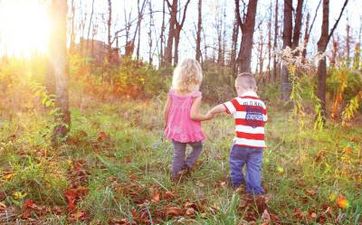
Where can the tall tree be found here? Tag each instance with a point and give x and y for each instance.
(72, 28)
(275, 44)
(150, 42)
(175, 28)
(322, 46)
(247, 27)
(234, 41)
(291, 38)
(198, 33)
(59, 62)
(109, 26)
(162, 37)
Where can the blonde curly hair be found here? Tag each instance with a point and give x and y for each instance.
(187, 76)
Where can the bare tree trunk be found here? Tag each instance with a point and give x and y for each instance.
(218, 26)
(59, 62)
(198, 33)
(348, 45)
(287, 42)
(171, 32)
(357, 56)
(297, 24)
(247, 28)
(275, 45)
(234, 43)
(90, 23)
(109, 26)
(150, 43)
(306, 38)
(72, 29)
(322, 46)
(335, 47)
(269, 42)
(177, 30)
(261, 54)
(162, 33)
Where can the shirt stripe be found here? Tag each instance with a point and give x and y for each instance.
(250, 114)
(246, 129)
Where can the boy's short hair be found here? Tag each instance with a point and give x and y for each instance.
(246, 81)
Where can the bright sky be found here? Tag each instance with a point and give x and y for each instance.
(24, 28)
(211, 9)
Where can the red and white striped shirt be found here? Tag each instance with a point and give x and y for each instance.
(250, 115)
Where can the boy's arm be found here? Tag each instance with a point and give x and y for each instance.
(195, 111)
(217, 109)
(166, 109)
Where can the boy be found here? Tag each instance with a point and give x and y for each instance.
(250, 116)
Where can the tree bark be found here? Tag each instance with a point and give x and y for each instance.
(72, 29)
(171, 32)
(322, 46)
(59, 63)
(247, 28)
(198, 33)
(275, 45)
(150, 42)
(174, 33)
(178, 28)
(234, 43)
(109, 37)
(161, 59)
(90, 23)
(287, 42)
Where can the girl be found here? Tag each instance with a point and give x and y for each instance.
(182, 116)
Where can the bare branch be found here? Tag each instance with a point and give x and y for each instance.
(184, 15)
(238, 16)
(337, 21)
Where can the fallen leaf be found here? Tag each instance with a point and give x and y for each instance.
(342, 202)
(168, 195)
(102, 136)
(190, 212)
(174, 211)
(311, 192)
(156, 196)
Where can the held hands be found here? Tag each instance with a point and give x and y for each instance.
(209, 115)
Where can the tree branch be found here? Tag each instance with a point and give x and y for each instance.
(238, 16)
(184, 15)
(336, 23)
(168, 4)
(315, 16)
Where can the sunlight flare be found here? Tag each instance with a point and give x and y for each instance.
(24, 27)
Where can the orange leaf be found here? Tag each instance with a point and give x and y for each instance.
(156, 197)
(342, 202)
(102, 136)
(174, 211)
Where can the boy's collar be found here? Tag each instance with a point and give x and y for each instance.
(249, 93)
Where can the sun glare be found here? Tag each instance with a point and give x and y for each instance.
(24, 27)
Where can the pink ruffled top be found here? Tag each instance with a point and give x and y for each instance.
(180, 127)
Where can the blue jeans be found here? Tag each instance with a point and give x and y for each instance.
(252, 157)
(179, 162)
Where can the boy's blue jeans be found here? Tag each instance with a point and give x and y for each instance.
(252, 157)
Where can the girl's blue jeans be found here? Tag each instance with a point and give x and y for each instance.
(252, 158)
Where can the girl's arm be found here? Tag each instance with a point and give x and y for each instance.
(217, 109)
(195, 111)
(165, 110)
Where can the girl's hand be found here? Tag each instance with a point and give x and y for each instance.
(209, 115)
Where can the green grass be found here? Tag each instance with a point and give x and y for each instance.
(302, 167)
